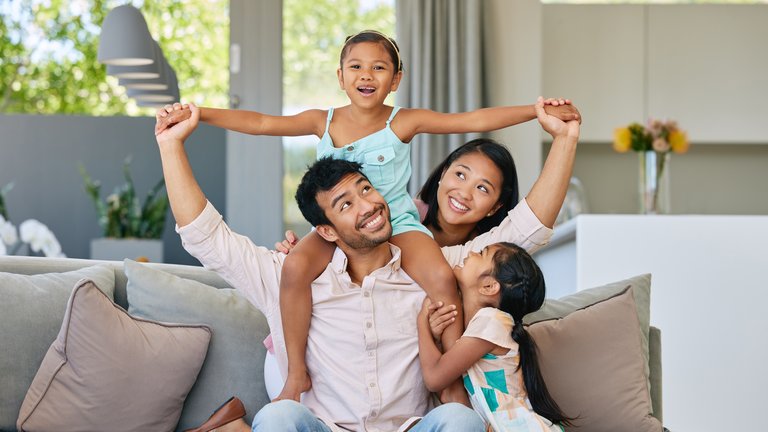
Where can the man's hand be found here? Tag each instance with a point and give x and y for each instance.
(172, 115)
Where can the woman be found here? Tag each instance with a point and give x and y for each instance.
(475, 187)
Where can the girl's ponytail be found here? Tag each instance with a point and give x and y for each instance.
(522, 292)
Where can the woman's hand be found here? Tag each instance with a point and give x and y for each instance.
(289, 243)
(554, 125)
(437, 316)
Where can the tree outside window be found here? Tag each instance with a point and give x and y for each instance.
(48, 54)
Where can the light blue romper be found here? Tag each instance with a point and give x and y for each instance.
(387, 163)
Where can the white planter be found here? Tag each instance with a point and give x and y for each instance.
(115, 249)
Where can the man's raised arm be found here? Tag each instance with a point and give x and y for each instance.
(184, 193)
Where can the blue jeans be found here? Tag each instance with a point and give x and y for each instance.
(291, 416)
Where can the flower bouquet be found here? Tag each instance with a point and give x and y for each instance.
(654, 142)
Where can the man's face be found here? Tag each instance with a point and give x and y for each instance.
(359, 215)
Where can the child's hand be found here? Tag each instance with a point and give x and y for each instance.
(554, 125)
(286, 245)
(168, 116)
(438, 316)
(562, 109)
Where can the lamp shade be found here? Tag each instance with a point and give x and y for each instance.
(171, 94)
(125, 38)
(159, 83)
(146, 71)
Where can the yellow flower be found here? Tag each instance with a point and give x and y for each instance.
(678, 141)
(622, 140)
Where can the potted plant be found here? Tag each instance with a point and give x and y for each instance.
(130, 229)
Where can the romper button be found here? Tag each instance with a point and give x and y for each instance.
(380, 158)
(350, 148)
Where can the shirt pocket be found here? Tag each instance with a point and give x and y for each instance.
(379, 166)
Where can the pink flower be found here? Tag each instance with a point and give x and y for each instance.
(660, 145)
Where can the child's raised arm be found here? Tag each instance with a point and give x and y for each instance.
(441, 370)
(310, 122)
(415, 121)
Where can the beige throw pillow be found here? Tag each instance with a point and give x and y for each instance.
(592, 361)
(108, 371)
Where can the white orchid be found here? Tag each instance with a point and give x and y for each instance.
(8, 236)
(40, 238)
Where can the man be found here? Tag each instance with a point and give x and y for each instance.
(362, 351)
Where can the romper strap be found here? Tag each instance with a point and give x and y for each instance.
(391, 116)
(328, 120)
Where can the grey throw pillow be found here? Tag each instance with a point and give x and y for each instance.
(235, 362)
(31, 310)
(109, 371)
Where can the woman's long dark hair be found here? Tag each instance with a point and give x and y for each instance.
(500, 156)
(522, 292)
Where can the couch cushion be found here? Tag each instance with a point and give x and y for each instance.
(591, 353)
(31, 311)
(236, 356)
(109, 371)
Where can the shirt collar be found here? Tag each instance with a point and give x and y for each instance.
(339, 260)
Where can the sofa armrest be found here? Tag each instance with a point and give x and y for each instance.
(654, 360)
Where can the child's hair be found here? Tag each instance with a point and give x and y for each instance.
(322, 176)
(522, 292)
(500, 156)
(373, 36)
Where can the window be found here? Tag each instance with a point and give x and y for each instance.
(313, 33)
(48, 63)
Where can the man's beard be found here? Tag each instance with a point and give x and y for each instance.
(360, 241)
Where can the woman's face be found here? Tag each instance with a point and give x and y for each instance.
(469, 190)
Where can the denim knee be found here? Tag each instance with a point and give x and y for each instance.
(454, 417)
(284, 415)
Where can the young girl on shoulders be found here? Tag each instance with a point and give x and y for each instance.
(377, 135)
(495, 355)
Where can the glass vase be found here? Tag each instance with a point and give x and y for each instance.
(654, 182)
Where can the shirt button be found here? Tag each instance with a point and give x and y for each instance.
(372, 385)
(350, 148)
(369, 325)
(371, 353)
(373, 413)
(366, 294)
(380, 158)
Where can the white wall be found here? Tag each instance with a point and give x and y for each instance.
(703, 65)
(514, 55)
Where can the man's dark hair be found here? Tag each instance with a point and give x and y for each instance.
(322, 176)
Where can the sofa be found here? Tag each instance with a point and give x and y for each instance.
(160, 294)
